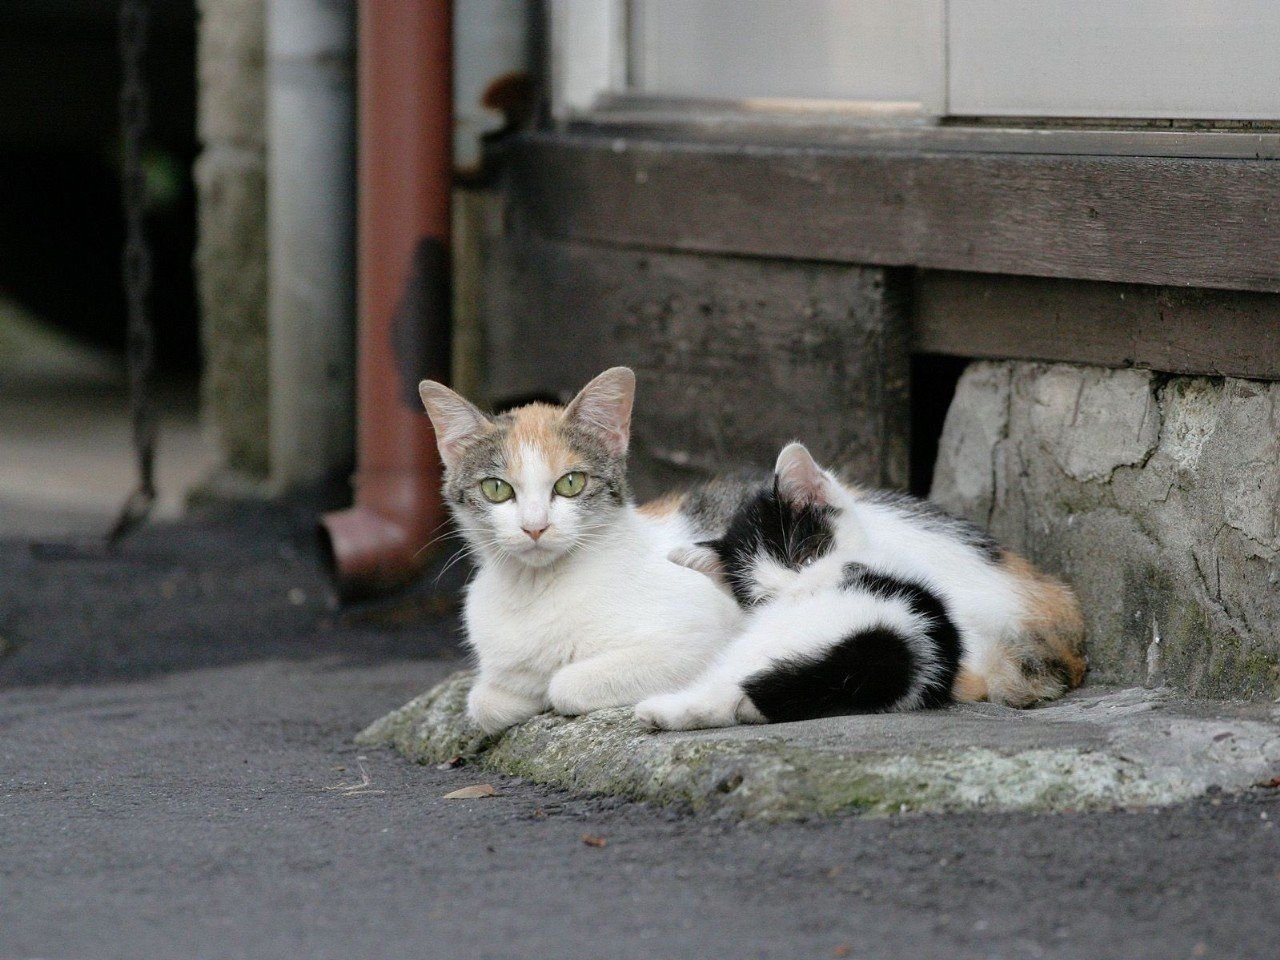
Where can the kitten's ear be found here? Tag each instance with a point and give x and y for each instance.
(798, 478)
(702, 558)
(455, 419)
(604, 406)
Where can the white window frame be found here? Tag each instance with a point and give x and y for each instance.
(589, 46)
(588, 54)
(590, 58)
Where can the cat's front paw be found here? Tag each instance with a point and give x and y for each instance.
(689, 710)
(493, 708)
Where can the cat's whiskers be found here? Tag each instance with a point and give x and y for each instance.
(447, 535)
(466, 551)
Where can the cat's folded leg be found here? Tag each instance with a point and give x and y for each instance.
(618, 678)
(717, 698)
(493, 706)
(708, 703)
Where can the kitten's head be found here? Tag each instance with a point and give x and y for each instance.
(540, 481)
(782, 539)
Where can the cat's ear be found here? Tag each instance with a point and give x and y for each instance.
(604, 407)
(798, 478)
(455, 419)
(702, 558)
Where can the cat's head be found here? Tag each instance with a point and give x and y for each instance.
(784, 538)
(536, 483)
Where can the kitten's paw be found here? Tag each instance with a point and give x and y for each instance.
(690, 710)
(493, 708)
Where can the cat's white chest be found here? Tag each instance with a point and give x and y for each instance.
(543, 623)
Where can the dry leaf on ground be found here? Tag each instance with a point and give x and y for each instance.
(473, 792)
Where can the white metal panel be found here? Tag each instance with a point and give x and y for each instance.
(588, 41)
(490, 40)
(868, 50)
(1199, 59)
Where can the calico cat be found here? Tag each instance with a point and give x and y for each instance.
(862, 602)
(575, 605)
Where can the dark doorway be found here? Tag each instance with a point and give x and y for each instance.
(933, 385)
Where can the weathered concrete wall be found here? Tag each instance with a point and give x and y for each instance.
(1157, 497)
(734, 356)
(231, 257)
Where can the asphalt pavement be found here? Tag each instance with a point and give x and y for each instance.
(178, 779)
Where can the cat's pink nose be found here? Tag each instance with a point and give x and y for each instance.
(535, 532)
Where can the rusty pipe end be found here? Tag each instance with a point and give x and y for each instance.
(369, 553)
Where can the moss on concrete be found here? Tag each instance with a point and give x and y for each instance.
(959, 760)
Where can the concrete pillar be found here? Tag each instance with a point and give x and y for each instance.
(311, 218)
(231, 255)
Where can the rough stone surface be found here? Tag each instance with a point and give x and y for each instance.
(1156, 497)
(735, 357)
(1092, 750)
(231, 255)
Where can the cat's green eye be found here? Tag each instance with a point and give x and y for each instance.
(571, 484)
(495, 490)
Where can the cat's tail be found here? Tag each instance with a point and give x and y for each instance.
(904, 653)
(1044, 656)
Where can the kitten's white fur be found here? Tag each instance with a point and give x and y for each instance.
(806, 611)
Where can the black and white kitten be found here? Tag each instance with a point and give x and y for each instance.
(863, 602)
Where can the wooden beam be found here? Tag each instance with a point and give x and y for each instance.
(1151, 220)
(1211, 332)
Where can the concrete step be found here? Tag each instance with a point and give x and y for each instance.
(1097, 748)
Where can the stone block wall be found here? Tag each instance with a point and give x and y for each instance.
(231, 257)
(1157, 497)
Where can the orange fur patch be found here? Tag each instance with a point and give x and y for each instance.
(1053, 625)
(664, 506)
(969, 686)
(535, 426)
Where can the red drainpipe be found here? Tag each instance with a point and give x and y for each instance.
(405, 177)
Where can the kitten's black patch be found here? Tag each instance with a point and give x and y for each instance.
(930, 516)
(941, 632)
(868, 671)
(765, 522)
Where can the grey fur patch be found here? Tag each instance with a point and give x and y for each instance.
(711, 505)
(599, 463)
